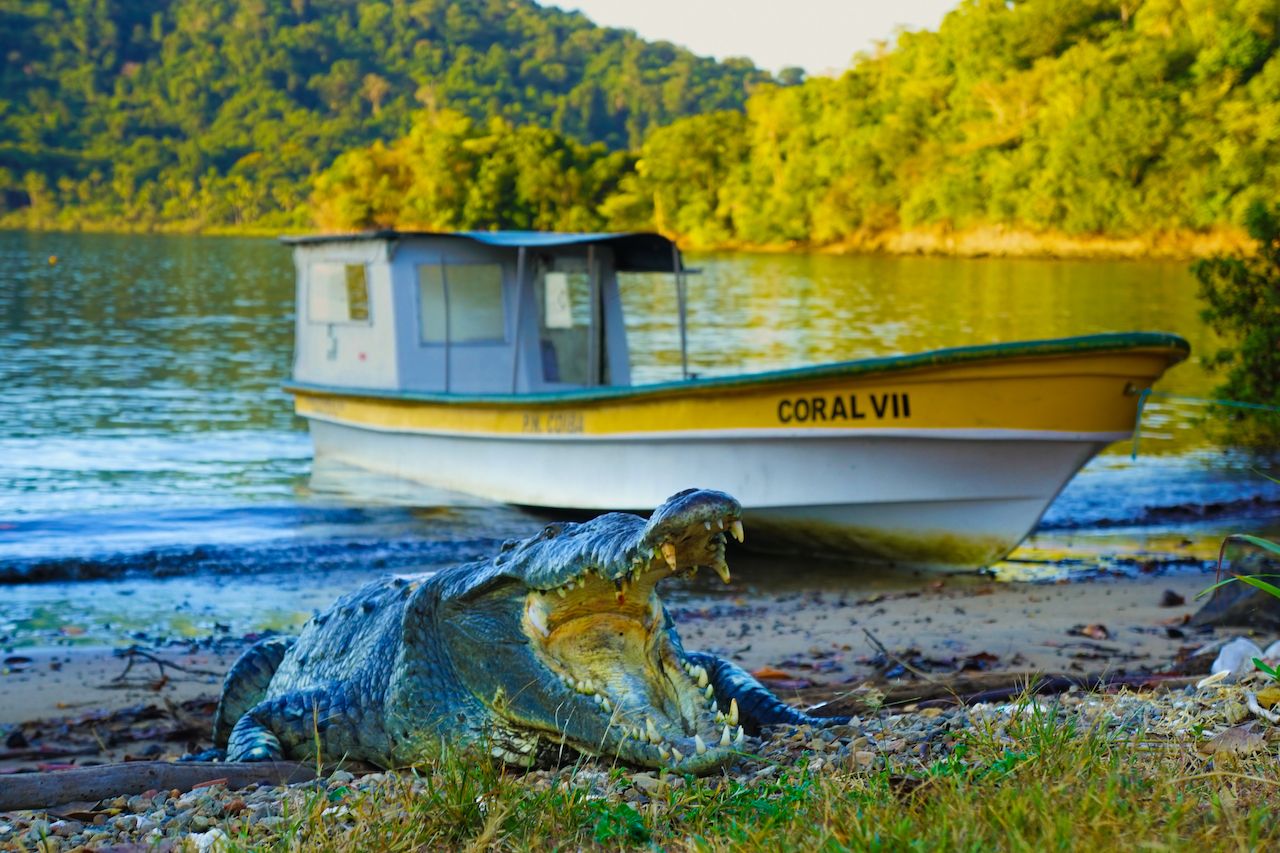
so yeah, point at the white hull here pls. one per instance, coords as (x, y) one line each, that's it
(951, 500)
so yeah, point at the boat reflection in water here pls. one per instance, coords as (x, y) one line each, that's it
(495, 364)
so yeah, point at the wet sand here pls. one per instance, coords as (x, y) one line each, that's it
(810, 635)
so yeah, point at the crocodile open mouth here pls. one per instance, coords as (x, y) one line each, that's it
(604, 633)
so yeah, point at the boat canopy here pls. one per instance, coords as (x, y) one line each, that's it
(471, 312)
(634, 251)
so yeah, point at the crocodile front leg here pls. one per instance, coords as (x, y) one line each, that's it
(247, 682)
(757, 706)
(321, 723)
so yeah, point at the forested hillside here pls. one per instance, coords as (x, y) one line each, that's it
(1087, 118)
(210, 113)
(1113, 118)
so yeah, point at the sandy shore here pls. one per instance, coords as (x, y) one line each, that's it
(805, 634)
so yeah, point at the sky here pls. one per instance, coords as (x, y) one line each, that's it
(820, 36)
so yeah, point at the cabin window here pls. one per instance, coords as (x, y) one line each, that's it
(565, 299)
(468, 297)
(338, 293)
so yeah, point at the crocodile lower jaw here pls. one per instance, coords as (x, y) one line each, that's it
(605, 638)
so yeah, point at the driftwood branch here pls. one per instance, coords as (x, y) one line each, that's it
(899, 661)
(135, 653)
(46, 790)
(978, 687)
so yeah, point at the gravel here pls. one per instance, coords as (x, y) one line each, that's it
(204, 819)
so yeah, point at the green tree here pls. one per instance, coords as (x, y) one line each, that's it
(1243, 297)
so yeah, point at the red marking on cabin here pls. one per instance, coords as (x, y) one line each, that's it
(362, 356)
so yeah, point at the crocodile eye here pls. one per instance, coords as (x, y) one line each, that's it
(551, 531)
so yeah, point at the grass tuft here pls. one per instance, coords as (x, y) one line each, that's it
(1036, 779)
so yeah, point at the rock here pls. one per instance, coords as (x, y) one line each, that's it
(1236, 657)
(213, 841)
(1172, 599)
(863, 758)
(1240, 605)
(648, 783)
(1238, 740)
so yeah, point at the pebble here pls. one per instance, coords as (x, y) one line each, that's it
(648, 783)
(205, 820)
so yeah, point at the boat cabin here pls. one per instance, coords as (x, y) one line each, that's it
(475, 312)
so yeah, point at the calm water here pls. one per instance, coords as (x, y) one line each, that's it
(144, 430)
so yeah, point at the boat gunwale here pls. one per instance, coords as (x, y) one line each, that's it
(1175, 348)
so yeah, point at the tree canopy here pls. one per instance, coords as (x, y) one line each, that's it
(1121, 118)
(221, 112)
(1116, 117)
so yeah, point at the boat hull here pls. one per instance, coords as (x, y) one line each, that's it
(943, 461)
(945, 504)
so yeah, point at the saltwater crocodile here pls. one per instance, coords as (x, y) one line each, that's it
(560, 640)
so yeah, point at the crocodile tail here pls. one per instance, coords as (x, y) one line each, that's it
(246, 683)
(757, 706)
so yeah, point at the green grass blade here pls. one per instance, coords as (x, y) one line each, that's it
(1256, 541)
(1274, 590)
(1251, 580)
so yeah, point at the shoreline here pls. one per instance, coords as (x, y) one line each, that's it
(803, 640)
(985, 241)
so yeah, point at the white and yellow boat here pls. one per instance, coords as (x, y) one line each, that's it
(495, 364)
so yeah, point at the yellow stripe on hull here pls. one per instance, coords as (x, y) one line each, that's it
(1093, 393)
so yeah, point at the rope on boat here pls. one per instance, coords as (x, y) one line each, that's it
(1200, 401)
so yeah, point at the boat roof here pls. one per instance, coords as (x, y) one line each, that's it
(634, 251)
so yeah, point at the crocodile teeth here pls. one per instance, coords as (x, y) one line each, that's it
(707, 524)
(724, 738)
(652, 731)
(669, 554)
(720, 521)
(722, 569)
(698, 744)
(709, 692)
(538, 619)
(560, 591)
(675, 753)
(736, 529)
(662, 751)
(733, 712)
(741, 736)
(702, 677)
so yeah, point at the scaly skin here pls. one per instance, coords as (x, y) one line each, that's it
(559, 640)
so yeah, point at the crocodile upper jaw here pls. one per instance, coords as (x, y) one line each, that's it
(604, 635)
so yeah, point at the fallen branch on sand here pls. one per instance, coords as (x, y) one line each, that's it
(134, 654)
(46, 790)
(979, 687)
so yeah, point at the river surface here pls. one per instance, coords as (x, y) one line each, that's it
(153, 478)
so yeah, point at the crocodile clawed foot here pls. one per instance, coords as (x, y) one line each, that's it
(211, 754)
